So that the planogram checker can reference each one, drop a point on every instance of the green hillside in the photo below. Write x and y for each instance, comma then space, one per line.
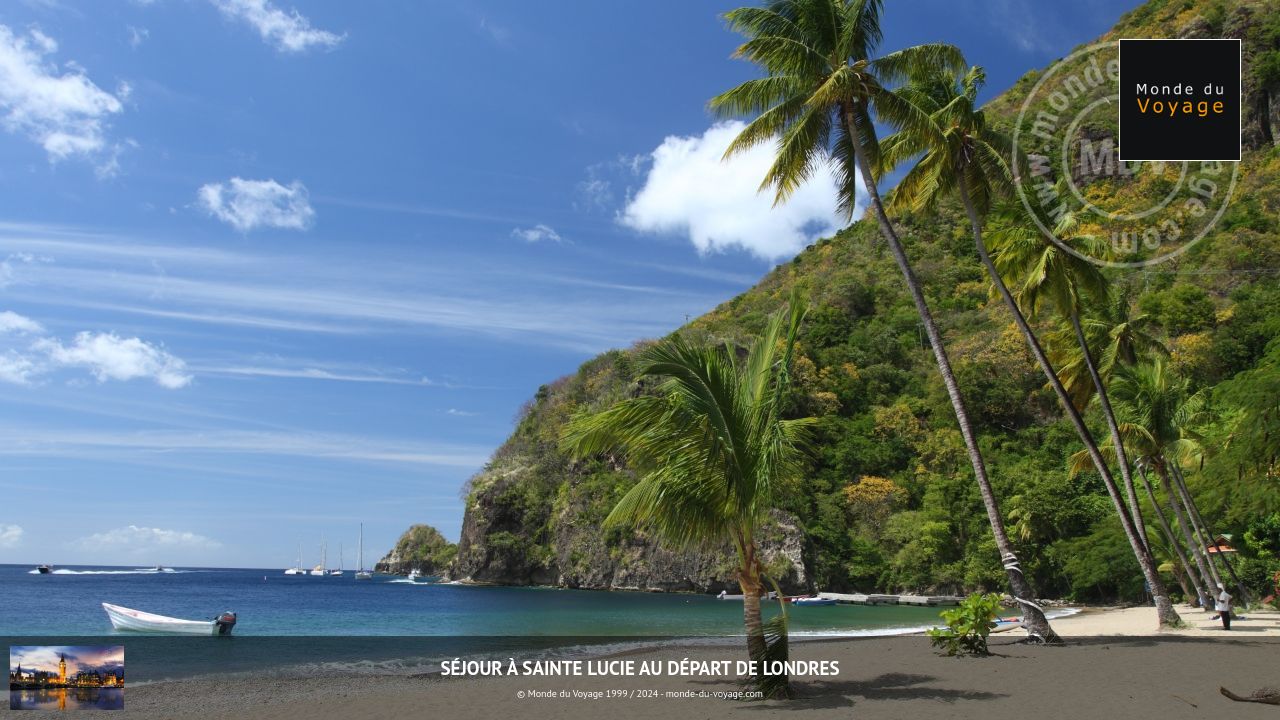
888, 502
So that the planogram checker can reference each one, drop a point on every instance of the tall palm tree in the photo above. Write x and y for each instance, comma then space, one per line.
1156, 408
821, 86
1045, 273
710, 448
1172, 414
959, 153
1175, 546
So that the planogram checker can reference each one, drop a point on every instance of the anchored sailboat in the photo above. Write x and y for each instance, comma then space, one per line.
319, 569
361, 573
297, 569
339, 570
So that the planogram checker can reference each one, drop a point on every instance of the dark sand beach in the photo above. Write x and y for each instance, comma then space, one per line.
1166, 676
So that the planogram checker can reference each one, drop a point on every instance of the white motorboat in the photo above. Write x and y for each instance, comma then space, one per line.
123, 618
361, 573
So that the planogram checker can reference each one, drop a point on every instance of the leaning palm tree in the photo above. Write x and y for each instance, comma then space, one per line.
1162, 415
822, 85
960, 154
711, 450
1044, 273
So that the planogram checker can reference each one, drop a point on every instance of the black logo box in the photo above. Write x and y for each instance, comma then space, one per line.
1180, 63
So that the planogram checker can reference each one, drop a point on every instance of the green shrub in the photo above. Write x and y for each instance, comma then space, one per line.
967, 625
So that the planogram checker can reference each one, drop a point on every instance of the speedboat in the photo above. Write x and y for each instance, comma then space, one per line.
414, 576
44, 569
123, 618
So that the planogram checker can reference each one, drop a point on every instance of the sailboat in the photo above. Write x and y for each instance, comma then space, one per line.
361, 573
324, 551
339, 570
297, 569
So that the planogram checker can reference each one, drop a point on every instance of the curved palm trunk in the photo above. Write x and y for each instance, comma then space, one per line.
752, 588
1179, 512
1201, 597
1122, 458
1168, 617
1033, 619
1207, 534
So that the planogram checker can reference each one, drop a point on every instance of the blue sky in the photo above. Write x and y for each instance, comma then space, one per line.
269, 268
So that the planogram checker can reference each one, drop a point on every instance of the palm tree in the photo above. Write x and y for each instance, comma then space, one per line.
1175, 547
710, 449
1046, 273
959, 153
822, 83
1165, 416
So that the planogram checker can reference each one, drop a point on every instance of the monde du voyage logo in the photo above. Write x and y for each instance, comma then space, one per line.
1180, 100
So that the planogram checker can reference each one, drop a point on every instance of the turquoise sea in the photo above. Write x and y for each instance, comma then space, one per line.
69, 602
315, 625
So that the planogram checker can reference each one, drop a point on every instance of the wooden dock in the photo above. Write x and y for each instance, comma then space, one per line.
919, 600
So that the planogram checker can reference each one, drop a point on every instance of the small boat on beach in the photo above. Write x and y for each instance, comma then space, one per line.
123, 618
44, 569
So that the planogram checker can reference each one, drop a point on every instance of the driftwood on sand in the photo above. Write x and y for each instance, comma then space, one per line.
1268, 696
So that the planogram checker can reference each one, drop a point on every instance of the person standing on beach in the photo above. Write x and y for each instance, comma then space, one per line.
1223, 606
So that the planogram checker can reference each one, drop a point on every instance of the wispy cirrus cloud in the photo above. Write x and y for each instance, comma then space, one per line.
250, 204
59, 108
347, 292
10, 536
32, 441
537, 233
288, 32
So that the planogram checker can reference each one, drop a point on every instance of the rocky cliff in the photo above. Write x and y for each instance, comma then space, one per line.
420, 548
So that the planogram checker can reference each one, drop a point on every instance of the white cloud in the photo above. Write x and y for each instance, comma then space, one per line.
691, 190
59, 108
17, 369
248, 204
10, 536
287, 31
137, 35
537, 233
12, 322
141, 540
111, 357
460, 413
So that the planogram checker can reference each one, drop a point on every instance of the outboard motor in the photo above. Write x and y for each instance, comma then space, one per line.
225, 622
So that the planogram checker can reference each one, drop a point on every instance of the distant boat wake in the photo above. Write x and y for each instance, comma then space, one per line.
139, 571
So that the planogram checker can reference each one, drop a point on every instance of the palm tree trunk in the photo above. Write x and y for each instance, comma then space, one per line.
1162, 469
1168, 617
1033, 619
1207, 533
1201, 597
1131, 494
749, 579
1188, 507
